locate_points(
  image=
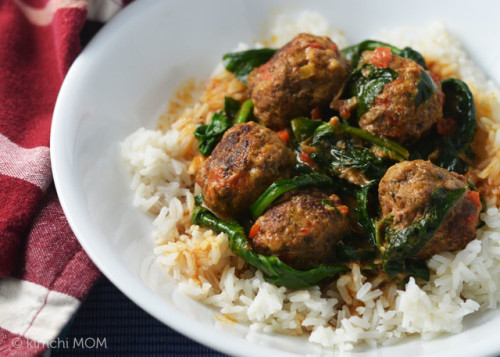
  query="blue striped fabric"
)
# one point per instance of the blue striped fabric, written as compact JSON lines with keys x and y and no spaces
{"x":108,"y":323}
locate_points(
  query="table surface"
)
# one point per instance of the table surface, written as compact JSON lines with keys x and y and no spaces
{"x":108,"y":323}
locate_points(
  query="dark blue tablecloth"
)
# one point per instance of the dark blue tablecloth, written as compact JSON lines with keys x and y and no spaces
{"x":108,"y":323}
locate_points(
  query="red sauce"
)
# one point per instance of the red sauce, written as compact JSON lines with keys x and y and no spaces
{"x":381,"y":57}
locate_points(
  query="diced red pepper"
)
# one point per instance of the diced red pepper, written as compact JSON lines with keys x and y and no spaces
{"x":344,"y":111}
{"x":306,"y":159}
{"x":344,"y":210}
{"x":381,"y":57}
{"x":284,"y":135}
{"x":254,"y":230}
{"x":474,"y":197}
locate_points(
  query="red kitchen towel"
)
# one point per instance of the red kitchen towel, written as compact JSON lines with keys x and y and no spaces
{"x":44,"y":273}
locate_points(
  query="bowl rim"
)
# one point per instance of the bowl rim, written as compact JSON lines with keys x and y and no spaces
{"x":129,"y":284}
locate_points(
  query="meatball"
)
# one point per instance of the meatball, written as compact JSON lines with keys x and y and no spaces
{"x":404,"y":193}
{"x":305,"y":74}
{"x":246,"y":161}
{"x":394,"y":113}
{"x":301,"y":230}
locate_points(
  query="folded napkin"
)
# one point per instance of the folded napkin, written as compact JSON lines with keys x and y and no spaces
{"x":44,"y":273}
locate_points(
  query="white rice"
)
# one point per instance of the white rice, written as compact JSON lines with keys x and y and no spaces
{"x":353,"y":310}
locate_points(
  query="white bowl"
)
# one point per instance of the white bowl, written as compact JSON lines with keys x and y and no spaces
{"x":125,"y":76}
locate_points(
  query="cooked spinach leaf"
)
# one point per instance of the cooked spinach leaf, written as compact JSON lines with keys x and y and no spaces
{"x":353,"y":53}
{"x":274,"y":270}
{"x":242,"y":63}
{"x":282,"y":186}
{"x":453,"y":152}
{"x":210,"y":135}
{"x":336,"y":159}
{"x":303,"y":128}
{"x":409,"y":241}
{"x":449,"y":158}
{"x":459,"y":105}
{"x":425,"y":88}
{"x":417,"y":269}
{"x":245,"y":112}
{"x":198,"y":199}
{"x":231,"y":108}
{"x":365,"y":219}
{"x":346,"y":253}
{"x":354,"y":151}
{"x":234,"y":112}
{"x":405,"y":268}
{"x":366,"y":83}
{"x":392,"y":149}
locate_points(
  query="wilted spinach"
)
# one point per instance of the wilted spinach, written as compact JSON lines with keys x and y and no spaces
{"x":405,"y":268}
{"x":336,"y":159}
{"x":234,"y":112}
{"x":244,"y":113}
{"x":365,"y":219}
{"x":352,"y":154}
{"x":210,"y":135}
{"x":353,"y":53}
{"x":392,"y":149}
{"x":453,"y":152}
{"x":366,"y":83}
{"x":425,"y":88}
{"x":459,"y":105}
{"x":242,"y":63}
{"x":303,"y":128}
{"x":346,"y":252}
{"x":282,"y":186}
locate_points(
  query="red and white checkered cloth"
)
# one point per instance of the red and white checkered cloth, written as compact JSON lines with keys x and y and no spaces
{"x":44,"y":272}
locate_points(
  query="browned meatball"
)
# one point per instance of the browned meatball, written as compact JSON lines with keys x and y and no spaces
{"x":306,"y":73}
{"x":404,"y":193}
{"x":301,"y":230}
{"x":394,"y":113}
{"x":246,"y":161}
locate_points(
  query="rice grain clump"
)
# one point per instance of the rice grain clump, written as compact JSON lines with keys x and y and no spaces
{"x":355,"y":308}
